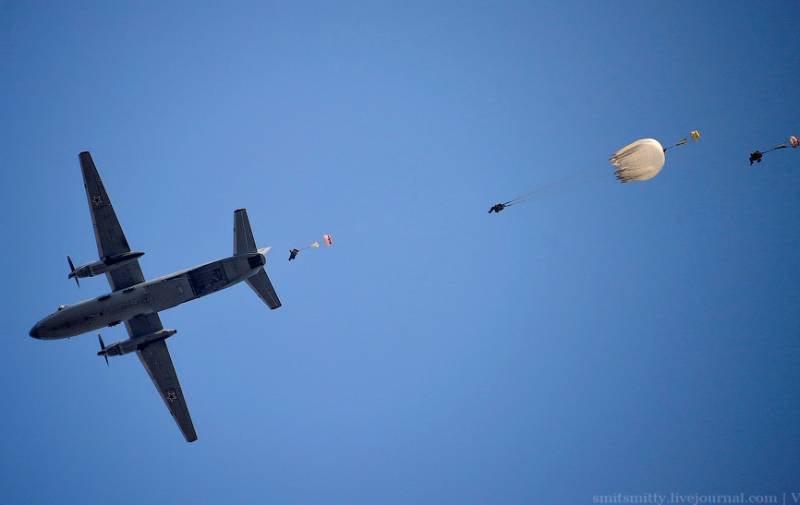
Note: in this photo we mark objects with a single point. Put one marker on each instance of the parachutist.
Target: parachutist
(755, 157)
(497, 208)
(293, 253)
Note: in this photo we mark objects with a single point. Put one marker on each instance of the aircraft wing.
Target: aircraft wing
(107, 230)
(156, 360)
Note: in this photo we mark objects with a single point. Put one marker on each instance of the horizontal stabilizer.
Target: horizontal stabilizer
(263, 287)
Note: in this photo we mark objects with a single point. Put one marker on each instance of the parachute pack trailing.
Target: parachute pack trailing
(642, 160)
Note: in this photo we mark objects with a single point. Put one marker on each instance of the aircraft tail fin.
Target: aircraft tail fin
(243, 241)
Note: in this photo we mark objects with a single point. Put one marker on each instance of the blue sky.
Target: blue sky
(599, 339)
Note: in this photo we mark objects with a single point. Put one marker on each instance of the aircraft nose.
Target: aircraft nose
(35, 331)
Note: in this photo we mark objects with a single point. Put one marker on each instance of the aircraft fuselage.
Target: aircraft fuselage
(147, 297)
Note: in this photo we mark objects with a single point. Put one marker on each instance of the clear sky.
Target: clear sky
(599, 339)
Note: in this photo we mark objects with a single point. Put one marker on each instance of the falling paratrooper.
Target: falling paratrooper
(644, 159)
(757, 156)
(496, 208)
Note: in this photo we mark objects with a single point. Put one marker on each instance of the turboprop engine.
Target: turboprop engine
(132, 344)
(106, 264)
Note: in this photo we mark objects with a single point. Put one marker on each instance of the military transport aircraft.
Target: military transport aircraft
(137, 303)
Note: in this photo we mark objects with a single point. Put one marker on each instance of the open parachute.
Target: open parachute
(757, 156)
(643, 159)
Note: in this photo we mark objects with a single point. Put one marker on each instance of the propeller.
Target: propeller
(72, 273)
(102, 348)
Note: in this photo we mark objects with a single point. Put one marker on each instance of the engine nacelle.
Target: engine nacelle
(136, 343)
(106, 264)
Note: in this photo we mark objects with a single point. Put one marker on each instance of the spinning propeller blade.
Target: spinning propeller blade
(102, 348)
(72, 274)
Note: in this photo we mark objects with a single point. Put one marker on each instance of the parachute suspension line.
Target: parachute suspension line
(541, 189)
(313, 245)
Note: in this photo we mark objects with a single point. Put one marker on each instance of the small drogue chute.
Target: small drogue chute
(757, 156)
(642, 160)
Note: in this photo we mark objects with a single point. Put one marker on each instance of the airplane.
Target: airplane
(137, 302)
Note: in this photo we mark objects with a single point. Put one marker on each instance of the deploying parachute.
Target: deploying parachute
(328, 239)
(643, 159)
(757, 156)
(639, 161)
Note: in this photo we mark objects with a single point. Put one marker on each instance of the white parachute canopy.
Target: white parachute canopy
(639, 161)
